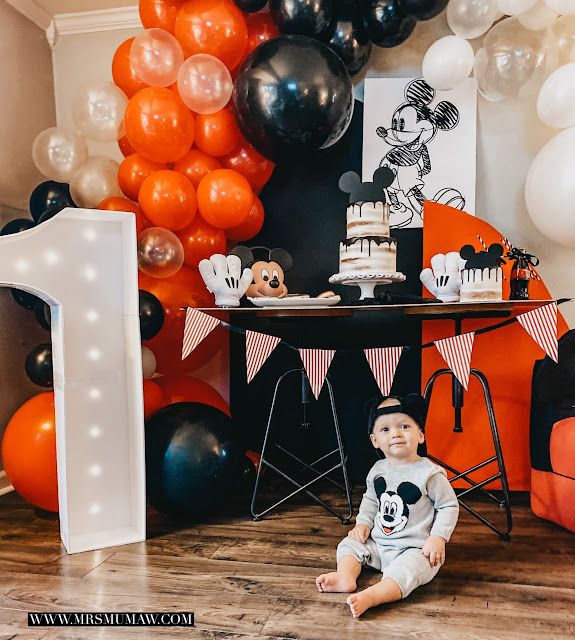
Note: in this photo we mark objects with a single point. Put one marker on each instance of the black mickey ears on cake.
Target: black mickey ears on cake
(359, 191)
(490, 259)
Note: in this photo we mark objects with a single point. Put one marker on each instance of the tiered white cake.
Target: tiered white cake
(368, 246)
(481, 284)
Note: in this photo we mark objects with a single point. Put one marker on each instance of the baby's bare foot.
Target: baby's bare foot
(335, 582)
(360, 602)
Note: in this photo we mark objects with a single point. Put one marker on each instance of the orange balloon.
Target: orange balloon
(29, 452)
(246, 160)
(182, 388)
(159, 125)
(168, 199)
(251, 226)
(154, 398)
(159, 13)
(195, 165)
(225, 198)
(125, 146)
(216, 27)
(217, 134)
(117, 203)
(123, 72)
(200, 241)
(183, 289)
(261, 27)
(133, 171)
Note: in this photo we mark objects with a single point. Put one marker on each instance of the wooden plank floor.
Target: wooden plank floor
(246, 580)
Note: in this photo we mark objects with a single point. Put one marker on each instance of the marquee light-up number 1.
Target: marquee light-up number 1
(84, 265)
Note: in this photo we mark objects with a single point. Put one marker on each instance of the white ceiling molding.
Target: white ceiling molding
(66, 24)
(36, 14)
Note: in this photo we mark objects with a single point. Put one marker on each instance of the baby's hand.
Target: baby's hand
(360, 532)
(434, 549)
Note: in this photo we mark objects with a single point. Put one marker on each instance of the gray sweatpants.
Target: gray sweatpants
(408, 567)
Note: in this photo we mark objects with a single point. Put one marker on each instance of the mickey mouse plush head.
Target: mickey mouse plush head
(268, 266)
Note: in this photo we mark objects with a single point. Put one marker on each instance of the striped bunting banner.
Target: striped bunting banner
(383, 363)
(258, 348)
(316, 363)
(456, 352)
(541, 325)
(198, 326)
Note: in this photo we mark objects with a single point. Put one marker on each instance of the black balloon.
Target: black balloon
(17, 225)
(293, 96)
(51, 212)
(151, 315)
(350, 40)
(48, 194)
(313, 18)
(25, 299)
(422, 9)
(38, 365)
(386, 24)
(193, 460)
(42, 313)
(250, 6)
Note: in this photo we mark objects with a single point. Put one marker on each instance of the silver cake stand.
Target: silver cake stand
(367, 280)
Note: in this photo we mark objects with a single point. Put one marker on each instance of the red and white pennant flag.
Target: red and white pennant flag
(456, 352)
(258, 348)
(383, 363)
(316, 363)
(198, 326)
(541, 325)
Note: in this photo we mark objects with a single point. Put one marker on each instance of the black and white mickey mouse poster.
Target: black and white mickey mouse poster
(427, 138)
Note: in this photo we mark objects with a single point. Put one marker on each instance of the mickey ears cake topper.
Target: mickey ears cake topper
(490, 259)
(359, 191)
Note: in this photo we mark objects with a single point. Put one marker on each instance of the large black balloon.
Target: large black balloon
(25, 299)
(43, 315)
(151, 315)
(250, 6)
(313, 18)
(38, 365)
(350, 40)
(386, 24)
(293, 96)
(422, 9)
(17, 225)
(48, 194)
(193, 459)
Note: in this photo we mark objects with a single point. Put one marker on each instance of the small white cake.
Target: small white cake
(375, 254)
(481, 285)
(367, 219)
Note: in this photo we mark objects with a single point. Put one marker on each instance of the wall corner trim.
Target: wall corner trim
(66, 24)
(29, 9)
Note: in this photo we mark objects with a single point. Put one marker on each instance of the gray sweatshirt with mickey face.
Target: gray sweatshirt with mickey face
(404, 505)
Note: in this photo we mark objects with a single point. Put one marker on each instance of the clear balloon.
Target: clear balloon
(513, 61)
(562, 33)
(58, 153)
(564, 7)
(447, 62)
(550, 189)
(471, 18)
(98, 111)
(156, 57)
(557, 98)
(148, 362)
(160, 252)
(538, 17)
(204, 83)
(515, 7)
(94, 181)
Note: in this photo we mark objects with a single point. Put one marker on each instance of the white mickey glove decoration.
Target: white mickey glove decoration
(443, 280)
(222, 277)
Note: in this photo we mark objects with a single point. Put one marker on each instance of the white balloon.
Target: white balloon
(550, 189)
(58, 153)
(563, 7)
(562, 34)
(538, 17)
(148, 362)
(447, 62)
(156, 57)
(94, 181)
(515, 7)
(556, 100)
(98, 111)
(471, 18)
